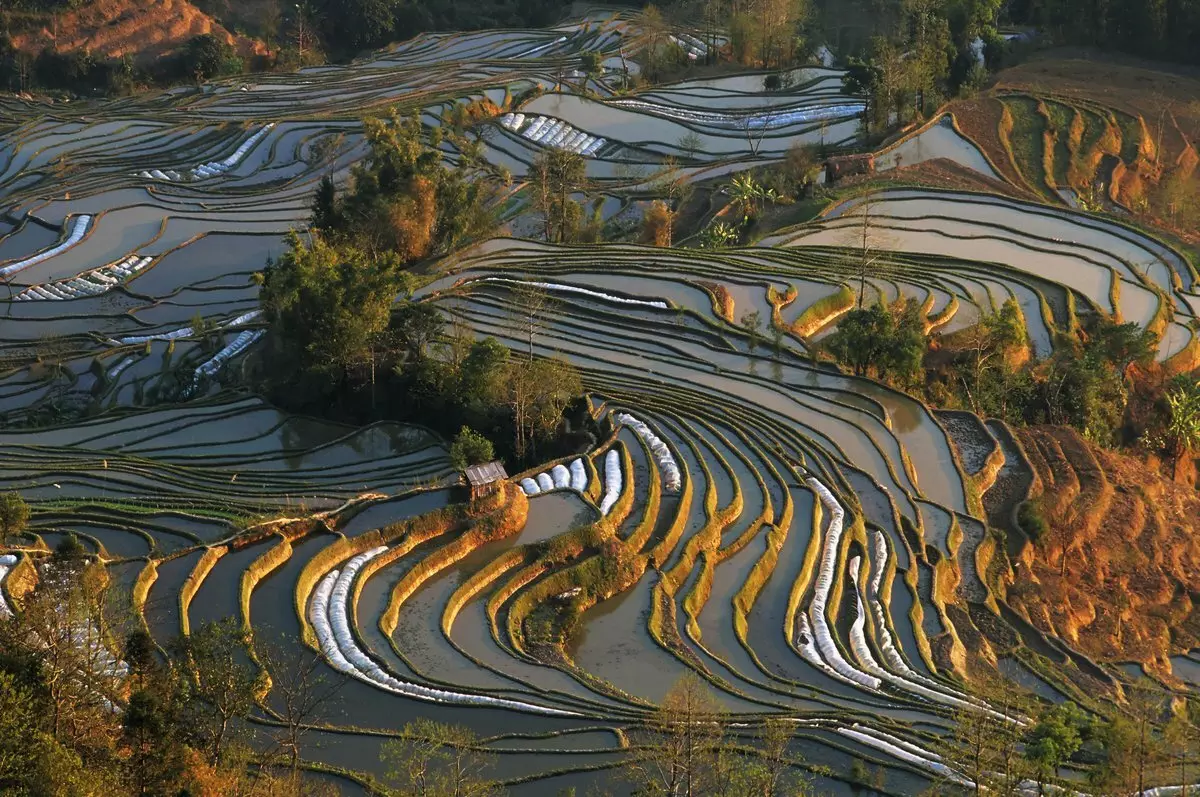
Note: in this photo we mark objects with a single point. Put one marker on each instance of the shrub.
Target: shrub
(470, 448)
(1032, 519)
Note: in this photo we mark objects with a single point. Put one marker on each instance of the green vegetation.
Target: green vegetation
(885, 342)
(14, 515)
(470, 448)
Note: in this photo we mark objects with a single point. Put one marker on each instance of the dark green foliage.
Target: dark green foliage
(1032, 520)
(69, 549)
(14, 515)
(888, 343)
(328, 307)
(470, 448)
(207, 56)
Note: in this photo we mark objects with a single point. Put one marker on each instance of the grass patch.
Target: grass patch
(1026, 141)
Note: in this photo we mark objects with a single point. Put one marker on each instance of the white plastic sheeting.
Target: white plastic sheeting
(240, 344)
(184, 332)
(754, 121)
(540, 48)
(554, 133)
(559, 288)
(78, 230)
(612, 481)
(330, 617)
(579, 477)
(902, 750)
(820, 625)
(662, 454)
(90, 283)
(120, 367)
(905, 677)
(6, 563)
(561, 477)
(213, 168)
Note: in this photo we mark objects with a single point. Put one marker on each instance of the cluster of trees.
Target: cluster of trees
(923, 52)
(987, 368)
(339, 342)
(769, 34)
(1159, 29)
(1148, 740)
(175, 724)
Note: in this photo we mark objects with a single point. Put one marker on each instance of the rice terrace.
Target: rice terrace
(729, 398)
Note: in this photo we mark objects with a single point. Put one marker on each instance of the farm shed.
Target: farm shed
(485, 479)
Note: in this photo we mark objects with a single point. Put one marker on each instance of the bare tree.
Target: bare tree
(530, 303)
(434, 759)
(683, 740)
(300, 690)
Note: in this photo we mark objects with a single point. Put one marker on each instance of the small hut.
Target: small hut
(842, 166)
(485, 479)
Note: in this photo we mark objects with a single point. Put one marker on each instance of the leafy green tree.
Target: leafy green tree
(207, 56)
(14, 514)
(537, 392)
(1183, 425)
(327, 306)
(1051, 742)
(354, 25)
(470, 448)
(418, 325)
(888, 343)
(482, 374)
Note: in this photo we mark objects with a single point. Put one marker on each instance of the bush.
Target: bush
(470, 448)
(1032, 520)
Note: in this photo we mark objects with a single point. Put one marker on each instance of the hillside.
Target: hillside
(144, 29)
(1064, 127)
(1117, 567)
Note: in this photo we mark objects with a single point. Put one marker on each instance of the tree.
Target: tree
(1051, 742)
(554, 176)
(1183, 425)
(683, 740)
(355, 25)
(989, 344)
(886, 342)
(326, 216)
(14, 514)
(327, 305)
(745, 194)
(1182, 737)
(985, 745)
(431, 759)
(801, 164)
(538, 391)
(417, 326)
(470, 448)
(149, 729)
(207, 56)
(300, 691)
(752, 322)
(530, 303)
(222, 683)
(658, 224)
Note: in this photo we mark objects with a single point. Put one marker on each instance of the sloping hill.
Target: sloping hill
(145, 29)
(1116, 568)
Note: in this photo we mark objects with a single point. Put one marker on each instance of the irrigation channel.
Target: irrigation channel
(812, 544)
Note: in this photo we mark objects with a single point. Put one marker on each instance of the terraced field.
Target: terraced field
(812, 544)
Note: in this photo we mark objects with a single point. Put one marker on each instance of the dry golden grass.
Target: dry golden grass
(145, 29)
(1120, 557)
